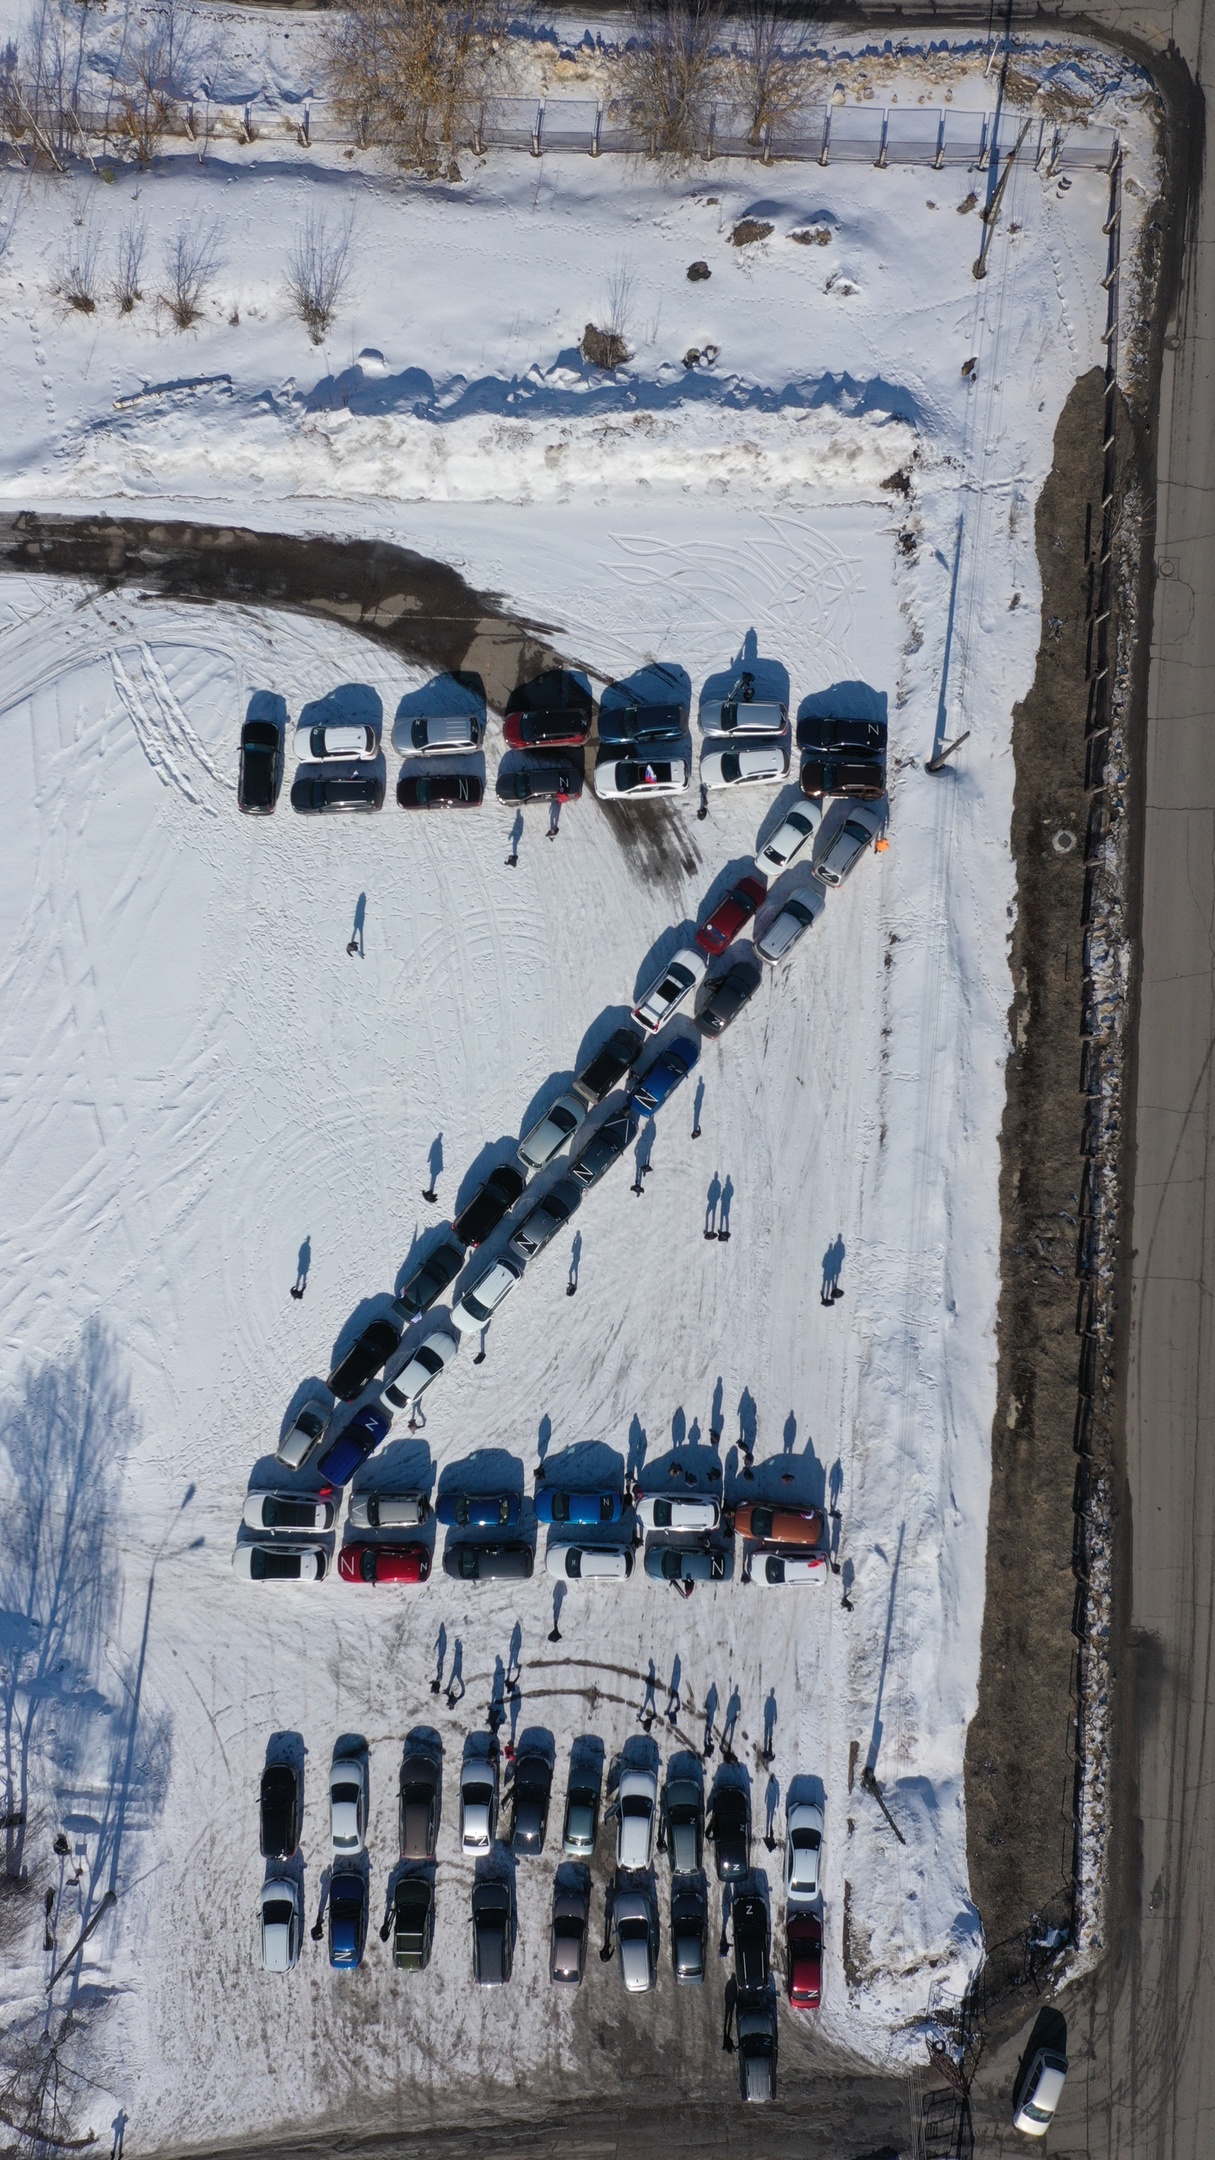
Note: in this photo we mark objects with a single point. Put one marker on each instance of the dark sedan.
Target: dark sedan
(312, 793)
(730, 1829)
(365, 1357)
(489, 1563)
(439, 791)
(489, 1204)
(279, 1827)
(605, 1146)
(751, 1967)
(609, 1065)
(529, 1801)
(828, 738)
(539, 783)
(726, 1000)
(623, 719)
(261, 767)
(430, 1278)
(479, 1511)
(859, 779)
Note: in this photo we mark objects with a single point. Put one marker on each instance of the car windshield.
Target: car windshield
(806, 1840)
(761, 1522)
(671, 1566)
(636, 1804)
(478, 1796)
(633, 1930)
(1037, 2114)
(568, 1929)
(774, 1571)
(476, 1306)
(345, 1795)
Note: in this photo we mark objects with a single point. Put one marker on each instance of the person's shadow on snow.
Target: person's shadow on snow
(833, 1266)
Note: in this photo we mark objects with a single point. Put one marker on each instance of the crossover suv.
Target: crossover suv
(261, 768)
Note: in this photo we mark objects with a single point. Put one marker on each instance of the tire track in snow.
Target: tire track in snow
(165, 735)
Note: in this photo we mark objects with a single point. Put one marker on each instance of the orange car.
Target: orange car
(778, 1525)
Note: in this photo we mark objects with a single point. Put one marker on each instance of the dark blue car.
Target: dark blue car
(577, 1507)
(479, 1511)
(661, 1079)
(347, 1919)
(354, 1444)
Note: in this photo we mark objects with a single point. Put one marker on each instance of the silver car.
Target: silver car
(478, 1803)
(280, 1924)
(551, 1132)
(799, 914)
(437, 731)
(859, 829)
(388, 1510)
(311, 1425)
(635, 1940)
(742, 713)
(567, 1949)
(635, 1808)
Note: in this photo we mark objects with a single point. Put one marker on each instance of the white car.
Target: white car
(677, 1511)
(424, 1366)
(589, 1563)
(799, 913)
(1042, 2093)
(280, 1924)
(287, 1511)
(280, 1563)
(639, 776)
(861, 826)
(634, 1924)
(755, 765)
(348, 1803)
(682, 972)
(789, 838)
(388, 1511)
(742, 713)
(478, 1803)
(774, 1568)
(635, 1808)
(336, 739)
(550, 1133)
(483, 1296)
(803, 1852)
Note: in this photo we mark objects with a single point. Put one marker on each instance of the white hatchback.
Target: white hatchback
(789, 838)
(803, 1852)
(682, 972)
(482, 1298)
(755, 765)
(773, 1568)
(677, 1511)
(424, 1366)
(589, 1563)
(336, 739)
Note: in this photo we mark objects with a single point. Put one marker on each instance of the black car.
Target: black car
(430, 1278)
(726, 999)
(492, 1930)
(540, 783)
(609, 1065)
(530, 1794)
(365, 1358)
(489, 1204)
(439, 791)
(689, 1929)
(312, 792)
(261, 767)
(729, 1827)
(633, 720)
(413, 1923)
(489, 1563)
(751, 1965)
(418, 1801)
(683, 1818)
(827, 738)
(860, 779)
(279, 1827)
(544, 1220)
(605, 1146)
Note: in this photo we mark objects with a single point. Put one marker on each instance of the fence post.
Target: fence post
(939, 159)
(881, 156)
(825, 153)
(595, 132)
(537, 125)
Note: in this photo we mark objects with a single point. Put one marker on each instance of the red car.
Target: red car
(730, 914)
(804, 1936)
(384, 1563)
(554, 709)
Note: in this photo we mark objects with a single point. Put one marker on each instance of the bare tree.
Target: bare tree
(132, 241)
(77, 279)
(191, 261)
(159, 54)
(41, 79)
(413, 73)
(670, 70)
(317, 269)
(770, 65)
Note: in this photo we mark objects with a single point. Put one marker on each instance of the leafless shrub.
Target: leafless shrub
(769, 69)
(413, 73)
(670, 71)
(77, 281)
(191, 261)
(132, 241)
(41, 78)
(317, 269)
(159, 53)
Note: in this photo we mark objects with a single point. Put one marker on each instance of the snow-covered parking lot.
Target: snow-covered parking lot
(199, 1079)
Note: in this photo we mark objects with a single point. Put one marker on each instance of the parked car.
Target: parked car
(581, 1825)
(607, 1068)
(590, 1563)
(311, 1425)
(479, 1511)
(348, 1802)
(287, 1511)
(567, 1947)
(749, 1913)
(1041, 2093)
(336, 741)
(617, 777)
(842, 757)
(635, 1807)
(658, 1082)
(605, 1147)
(279, 1812)
(555, 708)
(279, 1916)
(485, 1293)
(438, 731)
(689, 1929)
(771, 1569)
(740, 712)
(492, 1929)
(756, 2051)
(539, 783)
(859, 830)
(314, 793)
(683, 1511)
(860, 779)
(729, 916)
(347, 1918)
(828, 737)
(701, 1562)
(413, 1923)
(261, 768)
(511, 1562)
(726, 999)
(388, 1510)
(636, 1940)
(555, 1506)
(625, 720)
(752, 765)
(478, 1803)
(772, 1524)
(668, 990)
(803, 1852)
(440, 791)
(729, 1826)
(794, 833)
(530, 1790)
(799, 914)
(492, 1200)
(550, 1133)
(804, 1960)
(430, 1278)
(683, 1817)
(386, 1564)
(366, 1357)
(280, 1563)
(357, 1439)
(543, 1221)
(424, 1366)
(419, 1796)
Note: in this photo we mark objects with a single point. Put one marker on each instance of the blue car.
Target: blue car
(479, 1511)
(347, 1919)
(354, 1444)
(661, 1079)
(577, 1507)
